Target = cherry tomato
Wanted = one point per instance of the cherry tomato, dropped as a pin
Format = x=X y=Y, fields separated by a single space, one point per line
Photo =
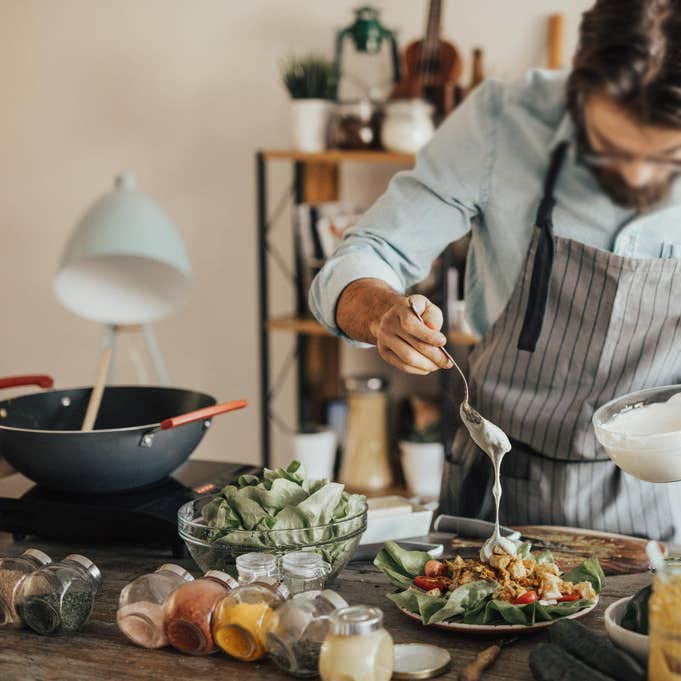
x=527 y=597
x=571 y=597
x=434 y=568
x=428 y=583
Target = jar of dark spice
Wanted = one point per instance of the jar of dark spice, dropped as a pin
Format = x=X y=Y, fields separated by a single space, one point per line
x=357 y=125
x=60 y=596
x=140 y=606
x=189 y=612
x=12 y=572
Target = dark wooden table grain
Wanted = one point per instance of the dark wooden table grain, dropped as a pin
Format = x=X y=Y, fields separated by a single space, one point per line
x=100 y=653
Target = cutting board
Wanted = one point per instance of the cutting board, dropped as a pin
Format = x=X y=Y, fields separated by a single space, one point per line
x=617 y=553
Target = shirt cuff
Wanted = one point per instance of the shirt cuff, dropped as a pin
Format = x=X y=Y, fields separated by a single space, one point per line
x=332 y=281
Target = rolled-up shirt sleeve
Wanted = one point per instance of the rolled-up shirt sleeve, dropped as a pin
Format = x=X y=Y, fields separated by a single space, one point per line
x=422 y=211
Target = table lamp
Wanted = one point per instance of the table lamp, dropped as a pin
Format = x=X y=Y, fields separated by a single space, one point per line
x=125 y=265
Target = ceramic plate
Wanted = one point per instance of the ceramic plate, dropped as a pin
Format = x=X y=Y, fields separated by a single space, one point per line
x=493 y=629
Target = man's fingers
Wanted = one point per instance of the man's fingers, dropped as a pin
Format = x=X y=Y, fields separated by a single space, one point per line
x=433 y=316
x=390 y=357
x=410 y=323
x=409 y=355
x=434 y=354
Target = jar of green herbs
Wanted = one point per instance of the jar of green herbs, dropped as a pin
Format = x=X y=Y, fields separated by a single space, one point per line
x=59 y=597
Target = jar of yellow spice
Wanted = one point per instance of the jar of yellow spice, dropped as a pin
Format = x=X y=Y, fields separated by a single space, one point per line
x=664 y=611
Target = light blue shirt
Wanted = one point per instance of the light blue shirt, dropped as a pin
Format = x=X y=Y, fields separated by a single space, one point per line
x=483 y=173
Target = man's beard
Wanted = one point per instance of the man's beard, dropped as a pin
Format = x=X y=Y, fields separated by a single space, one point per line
x=638 y=198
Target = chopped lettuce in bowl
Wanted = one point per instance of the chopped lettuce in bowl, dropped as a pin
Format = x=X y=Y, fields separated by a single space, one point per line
x=282 y=512
x=474 y=602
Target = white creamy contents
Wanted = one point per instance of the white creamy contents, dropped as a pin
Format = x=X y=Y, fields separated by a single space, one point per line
x=645 y=441
x=495 y=443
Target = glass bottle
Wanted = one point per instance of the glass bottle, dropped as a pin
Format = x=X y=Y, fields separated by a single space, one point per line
x=357 y=647
x=59 y=596
x=12 y=571
x=298 y=629
x=140 y=606
x=242 y=619
x=258 y=567
x=664 y=612
x=188 y=612
x=304 y=571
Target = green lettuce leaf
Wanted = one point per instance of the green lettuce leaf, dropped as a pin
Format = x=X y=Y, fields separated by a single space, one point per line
x=589 y=571
x=544 y=557
x=464 y=598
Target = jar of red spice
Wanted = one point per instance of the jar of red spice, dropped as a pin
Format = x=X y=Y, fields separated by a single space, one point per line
x=189 y=612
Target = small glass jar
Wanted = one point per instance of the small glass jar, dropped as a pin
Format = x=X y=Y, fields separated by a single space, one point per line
x=298 y=629
x=12 y=572
x=357 y=125
x=408 y=125
x=357 y=647
x=304 y=571
x=188 y=612
x=59 y=596
x=664 y=612
x=258 y=567
x=242 y=619
x=140 y=606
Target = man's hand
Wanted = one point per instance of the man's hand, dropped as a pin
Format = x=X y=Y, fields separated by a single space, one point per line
x=369 y=310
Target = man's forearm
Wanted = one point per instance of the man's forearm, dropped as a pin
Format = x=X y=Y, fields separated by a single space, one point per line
x=361 y=306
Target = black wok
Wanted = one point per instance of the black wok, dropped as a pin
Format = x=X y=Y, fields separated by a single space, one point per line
x=141 y=434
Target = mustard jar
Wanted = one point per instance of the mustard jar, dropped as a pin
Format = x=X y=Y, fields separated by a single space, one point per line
x=12 y=571
x=59 y=596
x=140 y=605
x=298 y=628
x=304 y=571
x=357 y=647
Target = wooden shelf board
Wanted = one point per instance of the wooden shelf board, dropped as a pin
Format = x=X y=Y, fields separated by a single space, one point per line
x=338 y=156
x=311 y=327
x=460 y=338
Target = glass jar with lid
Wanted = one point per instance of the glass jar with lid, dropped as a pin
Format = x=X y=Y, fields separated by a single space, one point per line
x=304 y=571
x=59 y=596
x=258 y=567
x=13 y=569
x=366 y=460
x=298 y=629
x=242 y=619
x=188 y=613
x=357 y=647
x=140 y=606
x=357 y=125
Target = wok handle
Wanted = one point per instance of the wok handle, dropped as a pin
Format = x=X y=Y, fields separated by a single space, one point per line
x=41 y=380
x=202 y=414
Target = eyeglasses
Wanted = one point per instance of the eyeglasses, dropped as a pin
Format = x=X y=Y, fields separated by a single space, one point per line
x=613 y=159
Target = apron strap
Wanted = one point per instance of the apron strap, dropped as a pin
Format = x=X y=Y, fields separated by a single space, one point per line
x=543 y=257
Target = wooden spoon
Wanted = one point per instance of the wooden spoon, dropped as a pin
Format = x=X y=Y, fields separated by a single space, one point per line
x=97 y=391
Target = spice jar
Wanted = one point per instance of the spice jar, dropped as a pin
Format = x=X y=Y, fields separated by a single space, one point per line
x=258 y=567
x=357 y=647
x=304 y=571
x=298 y=629
x=242 y=619
x=12 y=571
x=188 y=613
x=357 y=125
x=140 y=606
x=59 y=596
x=366 y=464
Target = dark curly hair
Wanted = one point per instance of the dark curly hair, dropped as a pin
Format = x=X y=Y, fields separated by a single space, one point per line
x=630 y=50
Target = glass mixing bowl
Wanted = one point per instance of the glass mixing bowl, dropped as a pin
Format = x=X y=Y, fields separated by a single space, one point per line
x=654 y=456
x=218 y=549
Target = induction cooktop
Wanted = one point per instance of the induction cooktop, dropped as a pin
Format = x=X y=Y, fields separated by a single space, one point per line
x=147 y=516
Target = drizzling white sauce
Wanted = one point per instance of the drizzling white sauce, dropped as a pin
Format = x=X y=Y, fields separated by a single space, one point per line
x=495 y=443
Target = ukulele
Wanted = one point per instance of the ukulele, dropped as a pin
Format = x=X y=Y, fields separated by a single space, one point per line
x=432 y=68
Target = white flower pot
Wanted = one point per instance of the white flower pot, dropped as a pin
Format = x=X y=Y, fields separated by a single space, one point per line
x=316 y=450
x=423 y=463
x=311 y=123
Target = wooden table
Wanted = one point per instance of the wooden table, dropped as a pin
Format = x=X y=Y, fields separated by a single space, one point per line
x=100 y=652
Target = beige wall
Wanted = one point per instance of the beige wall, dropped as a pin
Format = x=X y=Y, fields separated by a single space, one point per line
x=182 y=91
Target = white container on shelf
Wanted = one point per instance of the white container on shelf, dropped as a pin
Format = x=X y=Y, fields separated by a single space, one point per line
x=423 y=464
x=408 y=125
x=310 y=119
x=316 y=450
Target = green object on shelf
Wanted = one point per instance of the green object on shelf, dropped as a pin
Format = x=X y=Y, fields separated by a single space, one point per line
x=310 y=77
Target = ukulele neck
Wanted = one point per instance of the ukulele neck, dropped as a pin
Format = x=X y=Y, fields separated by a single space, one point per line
x=432 y=37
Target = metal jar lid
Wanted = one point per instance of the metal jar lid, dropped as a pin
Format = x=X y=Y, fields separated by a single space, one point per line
x=365 y=383
x=420 y=661
x=92 y=569
x=176 y=570
x=334 y=598
x=223 y=577
x=357 y=620
x=37 y=555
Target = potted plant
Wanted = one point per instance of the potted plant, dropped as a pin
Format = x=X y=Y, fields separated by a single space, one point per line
x=312 y=82
x=422 y=453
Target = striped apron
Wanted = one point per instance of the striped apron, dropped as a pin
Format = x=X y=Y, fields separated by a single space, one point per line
x=582 y=326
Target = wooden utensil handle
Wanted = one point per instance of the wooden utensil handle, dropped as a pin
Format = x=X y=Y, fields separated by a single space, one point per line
x=97 y=391
x=485 y=659
x=202 y=414
x=41 y=380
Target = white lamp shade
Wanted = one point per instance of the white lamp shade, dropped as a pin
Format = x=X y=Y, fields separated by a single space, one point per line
x=125 y=263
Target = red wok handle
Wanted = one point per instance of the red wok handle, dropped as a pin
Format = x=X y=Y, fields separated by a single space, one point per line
x=41 y=380
x=202 y=414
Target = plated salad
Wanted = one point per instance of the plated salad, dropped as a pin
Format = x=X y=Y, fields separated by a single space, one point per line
x=509 y=589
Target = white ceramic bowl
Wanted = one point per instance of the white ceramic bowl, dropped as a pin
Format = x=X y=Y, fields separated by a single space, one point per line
x=655 y=457
x=630 y=641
